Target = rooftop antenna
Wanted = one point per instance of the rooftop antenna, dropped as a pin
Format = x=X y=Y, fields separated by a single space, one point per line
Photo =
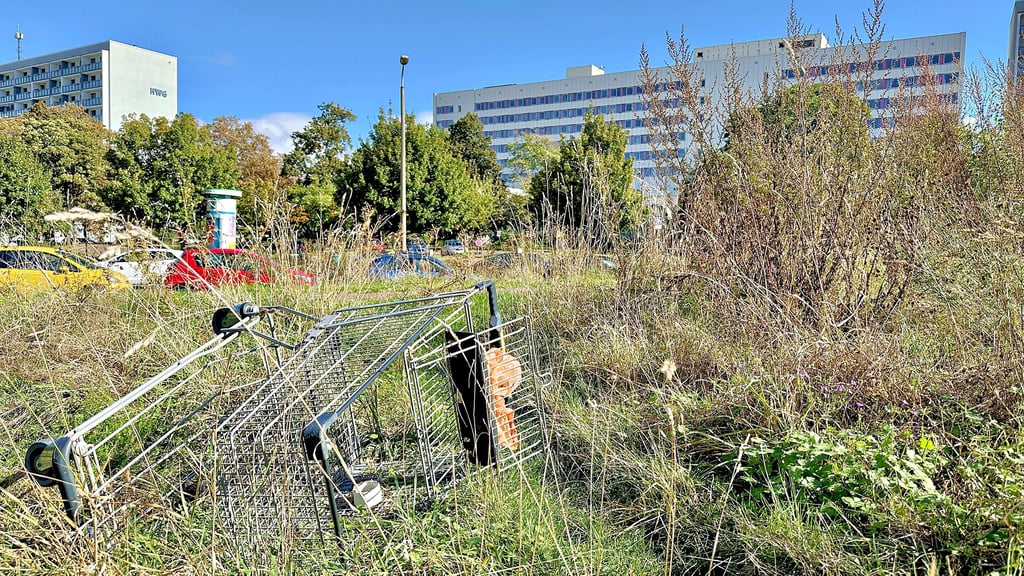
x=19 y=36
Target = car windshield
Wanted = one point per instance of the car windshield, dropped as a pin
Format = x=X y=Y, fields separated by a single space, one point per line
x=82 y=261
x=237 y=261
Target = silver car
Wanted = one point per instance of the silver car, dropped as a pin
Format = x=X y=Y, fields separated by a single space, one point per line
x=452 y=247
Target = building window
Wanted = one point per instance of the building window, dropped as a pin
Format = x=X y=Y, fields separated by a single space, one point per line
x=700 y=54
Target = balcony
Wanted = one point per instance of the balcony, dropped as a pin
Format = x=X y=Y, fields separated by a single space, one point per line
x=89 y=102
x=52 y=74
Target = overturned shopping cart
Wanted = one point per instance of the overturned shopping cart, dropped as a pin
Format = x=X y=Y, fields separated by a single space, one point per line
x=372 y=402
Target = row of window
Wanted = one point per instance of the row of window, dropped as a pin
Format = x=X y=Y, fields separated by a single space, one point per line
x=884 y=64
x=633 y=140
x=40 y=74
x=554 y=130
x=573 y=112
x=883 y=103
x=910 y=81
x=585 y=96
x=445 y=109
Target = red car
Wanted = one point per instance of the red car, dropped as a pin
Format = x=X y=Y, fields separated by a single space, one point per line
x=227 y=267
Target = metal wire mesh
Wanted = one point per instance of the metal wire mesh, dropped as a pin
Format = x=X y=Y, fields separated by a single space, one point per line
x=372 y=393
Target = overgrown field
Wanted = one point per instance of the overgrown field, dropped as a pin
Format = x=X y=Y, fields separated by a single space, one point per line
x=814 y=367
x=684 y=440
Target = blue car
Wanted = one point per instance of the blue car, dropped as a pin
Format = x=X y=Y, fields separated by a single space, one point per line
x=402 y=265
x=416 y=246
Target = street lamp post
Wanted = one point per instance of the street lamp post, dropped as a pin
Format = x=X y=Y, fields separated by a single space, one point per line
x=404 y=60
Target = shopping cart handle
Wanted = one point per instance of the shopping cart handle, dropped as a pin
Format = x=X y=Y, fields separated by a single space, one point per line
x=313 y=436
x=48 y=462
x=224 y=319
x=492 y=302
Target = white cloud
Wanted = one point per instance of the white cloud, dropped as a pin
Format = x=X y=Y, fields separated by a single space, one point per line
x=426 y=117
x=278 y=128
x=224 y=59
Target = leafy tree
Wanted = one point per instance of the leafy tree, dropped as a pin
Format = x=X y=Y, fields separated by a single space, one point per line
x=441 y=194
x=529 y=156
x=319 y=148
x=159 y=169
x=799 y=113
x=25 y=191
x=264 y=199
x=469 y=143
x=70 y=146
x=591 y=182
x=314 y=165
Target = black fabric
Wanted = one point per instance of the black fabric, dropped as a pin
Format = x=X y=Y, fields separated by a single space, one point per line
x=470 y=403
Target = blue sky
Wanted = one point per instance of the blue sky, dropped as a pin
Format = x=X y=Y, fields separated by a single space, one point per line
x=272 y=62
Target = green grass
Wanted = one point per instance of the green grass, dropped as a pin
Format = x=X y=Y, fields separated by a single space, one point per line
x=682 y=442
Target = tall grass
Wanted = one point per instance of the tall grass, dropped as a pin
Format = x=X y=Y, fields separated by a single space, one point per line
x=816 y=369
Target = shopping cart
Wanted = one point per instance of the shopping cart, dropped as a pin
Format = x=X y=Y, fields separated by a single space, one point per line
x=375 y=404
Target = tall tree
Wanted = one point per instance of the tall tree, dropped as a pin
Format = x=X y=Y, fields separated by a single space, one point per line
x=441 y=194
x=264 y=198
x=320 y=147
x=159 y=169
x=314 y=165
x=71 y=147
x=469 y=143
x=25 y=191
x=591 y=184
x=529 y=155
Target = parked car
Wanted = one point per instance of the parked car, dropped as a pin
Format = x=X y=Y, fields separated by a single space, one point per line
x=416 y=246
x=402 y=265
x=504 y=261
x=452 y=246
x=144 y=265
x=202 y=268
x=30 y=268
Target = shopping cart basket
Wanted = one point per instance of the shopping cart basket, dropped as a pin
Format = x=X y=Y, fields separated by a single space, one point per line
x=376 y=400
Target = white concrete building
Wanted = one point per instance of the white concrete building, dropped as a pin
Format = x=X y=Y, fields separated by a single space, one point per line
x=556 y=107
x=109 y=80
x=1016 y=56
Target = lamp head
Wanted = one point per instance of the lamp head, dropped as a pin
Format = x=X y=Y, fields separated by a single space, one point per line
x=403 y=59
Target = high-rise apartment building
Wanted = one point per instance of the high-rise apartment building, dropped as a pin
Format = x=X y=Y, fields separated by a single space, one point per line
x=109 y=80
x=1016 y=59
x=557 y=107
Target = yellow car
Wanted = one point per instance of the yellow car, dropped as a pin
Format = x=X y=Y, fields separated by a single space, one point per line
x=29 y=268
